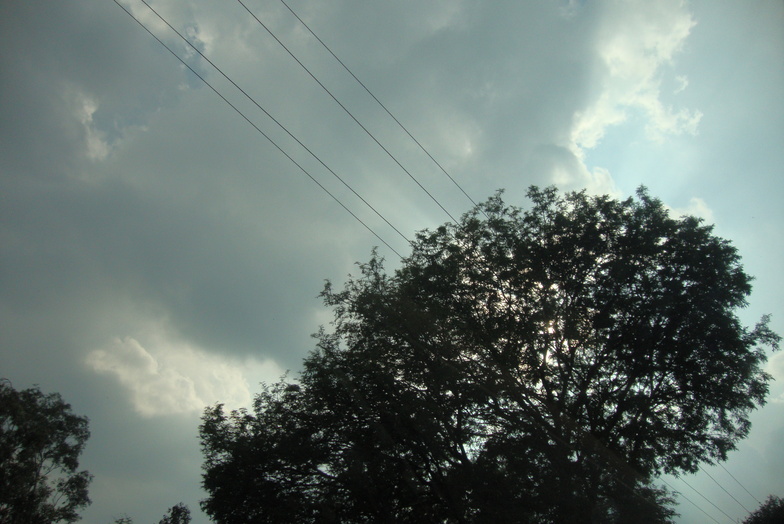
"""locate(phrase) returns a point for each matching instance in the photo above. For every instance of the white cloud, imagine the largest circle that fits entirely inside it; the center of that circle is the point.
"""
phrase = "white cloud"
(147, 17)
(589, 125)
(171, 377)
(635, 43)
(683, 83)
(97, 148)
(597, 181)
(697, 207)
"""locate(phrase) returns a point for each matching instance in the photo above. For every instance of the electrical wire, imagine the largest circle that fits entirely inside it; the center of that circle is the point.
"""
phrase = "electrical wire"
(680, 494)
(706, 498)
(739, 484)
(253, 100)
(278, 147)
(724, 490)
(400, 124)
(349, 113)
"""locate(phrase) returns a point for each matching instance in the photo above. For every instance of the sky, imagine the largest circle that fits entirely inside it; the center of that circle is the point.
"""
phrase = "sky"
(159, 255)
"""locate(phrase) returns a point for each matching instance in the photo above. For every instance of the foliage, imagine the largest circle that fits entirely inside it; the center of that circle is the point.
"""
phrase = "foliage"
(520, 366)
(178, 514)
(40, 443)
(770, 512)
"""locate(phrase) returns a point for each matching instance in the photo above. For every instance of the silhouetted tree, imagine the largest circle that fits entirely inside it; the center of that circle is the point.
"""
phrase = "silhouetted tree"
(40, 443)
(520, 366)
(178, 514)
(770, 512)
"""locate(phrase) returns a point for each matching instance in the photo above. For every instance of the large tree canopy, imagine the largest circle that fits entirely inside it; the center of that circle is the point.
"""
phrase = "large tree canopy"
(40, 443)
(521, 366)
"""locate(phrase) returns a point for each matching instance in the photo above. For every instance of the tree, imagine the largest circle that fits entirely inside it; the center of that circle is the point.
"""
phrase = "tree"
(520, 366)
(770, 512)
(177, 514)
(40, 443)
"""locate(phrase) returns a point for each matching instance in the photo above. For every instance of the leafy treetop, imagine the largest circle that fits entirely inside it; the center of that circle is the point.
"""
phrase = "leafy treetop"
(40, 443)
(521, 366)
(770, 512)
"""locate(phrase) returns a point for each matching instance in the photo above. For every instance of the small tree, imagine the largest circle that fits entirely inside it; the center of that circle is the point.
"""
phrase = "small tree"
(177, 514)
(770, 512)
(521, 366)
(40, 443)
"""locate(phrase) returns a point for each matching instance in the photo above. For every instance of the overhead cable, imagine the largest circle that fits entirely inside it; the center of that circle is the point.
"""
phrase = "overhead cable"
(739, 484)
(724, 490)
(279, 148)
(692, 502)
(253, 100)
(400, 124)
(706, 498)
(349, 113)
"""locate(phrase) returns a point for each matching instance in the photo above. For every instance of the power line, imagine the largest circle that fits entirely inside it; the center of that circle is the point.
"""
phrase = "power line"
(724, 490)
(692, 502)
(706, 499)
(406, 171)
(417, 142)
(739, 484)
(253, 100)
(279, 148)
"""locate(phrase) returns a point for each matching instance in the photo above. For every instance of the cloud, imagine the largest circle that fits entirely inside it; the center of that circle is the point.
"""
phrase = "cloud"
(697, 207)
(635, 43)
(176, 378)
(96, 146)
(683, 83)
(565, 168)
